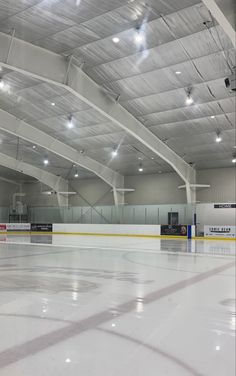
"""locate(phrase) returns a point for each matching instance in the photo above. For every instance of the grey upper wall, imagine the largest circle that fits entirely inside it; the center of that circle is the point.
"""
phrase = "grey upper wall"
(222, 182)
(155, 189)
(149, 190)
(91, 192)
(6, 193)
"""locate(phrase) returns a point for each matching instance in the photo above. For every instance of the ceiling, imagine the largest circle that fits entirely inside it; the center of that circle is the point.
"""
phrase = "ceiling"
(178, 36)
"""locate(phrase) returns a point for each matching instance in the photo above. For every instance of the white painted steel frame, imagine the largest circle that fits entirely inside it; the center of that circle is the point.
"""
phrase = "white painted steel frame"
(50, 67)
(221, 17)
(57, 183)
(20, 128)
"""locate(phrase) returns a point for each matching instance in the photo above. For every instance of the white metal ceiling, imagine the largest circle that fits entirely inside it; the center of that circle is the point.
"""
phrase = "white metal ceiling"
(180, 36)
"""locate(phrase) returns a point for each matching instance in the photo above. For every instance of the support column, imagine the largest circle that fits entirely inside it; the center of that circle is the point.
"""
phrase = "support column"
(119, 203)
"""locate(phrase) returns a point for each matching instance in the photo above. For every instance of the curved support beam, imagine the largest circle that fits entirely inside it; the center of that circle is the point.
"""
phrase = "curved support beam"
(47, 66)
(224, 13)
(56, 183)
(19, 128)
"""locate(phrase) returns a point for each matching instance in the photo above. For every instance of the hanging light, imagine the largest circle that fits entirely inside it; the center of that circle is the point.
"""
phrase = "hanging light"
(114, 152)
(139, 37)
(115, 40)
(140, 168)
(70, 123)
(189, 100)
(76, 175)
(218, 137)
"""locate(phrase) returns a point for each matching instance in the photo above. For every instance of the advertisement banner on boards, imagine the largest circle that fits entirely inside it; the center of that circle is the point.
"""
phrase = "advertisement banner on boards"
(18, 227)
(41, 227)
(174, 230)
(3, 227)
(217, 231)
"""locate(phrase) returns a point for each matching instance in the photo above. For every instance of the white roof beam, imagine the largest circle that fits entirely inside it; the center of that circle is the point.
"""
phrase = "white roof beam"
(53, 68)
(19, 128)
(224, 13)
(57, 183)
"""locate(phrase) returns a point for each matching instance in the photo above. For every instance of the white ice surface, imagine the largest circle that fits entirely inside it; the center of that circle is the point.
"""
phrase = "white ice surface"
(113, 306)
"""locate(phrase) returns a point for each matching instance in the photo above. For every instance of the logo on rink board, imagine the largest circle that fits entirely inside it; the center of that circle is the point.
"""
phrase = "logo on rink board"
(3, 227)
(178, 230)
(41, 227)
(220, 231)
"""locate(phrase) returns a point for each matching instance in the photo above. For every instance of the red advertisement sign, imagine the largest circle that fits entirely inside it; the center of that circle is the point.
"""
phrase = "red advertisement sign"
(3, 227)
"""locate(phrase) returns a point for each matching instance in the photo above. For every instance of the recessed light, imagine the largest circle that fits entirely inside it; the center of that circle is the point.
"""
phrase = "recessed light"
(115, 40)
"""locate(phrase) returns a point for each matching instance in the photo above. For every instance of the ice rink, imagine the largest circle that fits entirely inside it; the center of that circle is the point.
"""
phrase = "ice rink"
(114, 306)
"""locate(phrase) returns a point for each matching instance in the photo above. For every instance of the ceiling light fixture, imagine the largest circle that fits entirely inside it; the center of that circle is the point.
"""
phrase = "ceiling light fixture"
(212, 116)
(34, 147)
(218, 137)
(189, 100)
(70, 123)
(115, 40)
(114, 152)
(178, 72)
(76, 175)
(234, 159)
(53, 103)
(140, 168)
(139, 36)
(46, 161)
